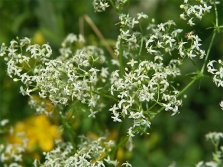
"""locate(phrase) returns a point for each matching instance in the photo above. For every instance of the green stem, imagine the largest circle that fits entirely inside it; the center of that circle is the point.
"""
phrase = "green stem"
(70, 132)
(113, 5)
(212, 39)
(188, 85)
(161, 109)
(120, 56)
(216, 14)
(115, 150)
(105, 95)
(118, 139)
(140, 50)
(208, 52)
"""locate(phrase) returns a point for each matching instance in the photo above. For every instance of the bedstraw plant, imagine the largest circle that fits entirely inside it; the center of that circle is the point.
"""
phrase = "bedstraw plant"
(132, 88)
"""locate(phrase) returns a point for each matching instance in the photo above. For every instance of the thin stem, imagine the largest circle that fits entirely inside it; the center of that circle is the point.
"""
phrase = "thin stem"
(216, 15)
(81, 26)
(152, 106)
(105, 95)
(70, 131)
(71, 138)
(215, 143)
(212, 39)
(140, 50)
(128, 5)
(208, 52)
(118, 139)
(113, 5)
(120, 59)
(161, 109)
(119, 145)
(99, 34)
(188, 85)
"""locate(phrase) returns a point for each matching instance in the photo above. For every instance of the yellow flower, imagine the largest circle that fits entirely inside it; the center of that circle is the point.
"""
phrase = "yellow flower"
(38, 38)
(39, 131)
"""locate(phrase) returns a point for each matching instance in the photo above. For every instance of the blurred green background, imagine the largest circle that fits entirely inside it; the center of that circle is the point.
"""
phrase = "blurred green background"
(179, 138)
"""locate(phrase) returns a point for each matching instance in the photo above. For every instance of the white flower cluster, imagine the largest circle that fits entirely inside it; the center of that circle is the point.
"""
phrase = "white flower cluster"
(216, 136)
(218, 73)
(144, 82)
(128, 37)
(90, 153)
(217, 161)
(195, 10)
(71, 76)
(221, 104)
(194, 50)
(162, 38)
(100, 5)
(11, 154)
(207, 164)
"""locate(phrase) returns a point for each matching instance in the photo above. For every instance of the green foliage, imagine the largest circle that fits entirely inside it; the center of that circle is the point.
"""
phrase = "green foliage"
(177, 139)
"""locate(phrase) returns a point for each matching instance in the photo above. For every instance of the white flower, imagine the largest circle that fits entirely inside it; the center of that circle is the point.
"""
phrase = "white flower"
(207, 8)
(134, 21)
(100, 5)
(183, 16)
(120, 104)
(221, 104)
(168, 106)
(141, 15)
(191, 54)
(150, 50)
(217, 81)
(181, 45)
(159, 44)
(25, 41)
(211, 164)
(127, 164)
(115, 62)
(130, 132)
(104, 5)
(210, 67)
(176, 32)
(198, 15)
(216, 136)
(104, 72)
(116, 118)
(124, 34)
(220, 73)
(170, 41)
(190, 22)
(182, 6)
(132, 62)
(114, 108)
(196, 45)
(4, 122)
(161, 27)
(202, 54)
(199, 164)
(17, 158)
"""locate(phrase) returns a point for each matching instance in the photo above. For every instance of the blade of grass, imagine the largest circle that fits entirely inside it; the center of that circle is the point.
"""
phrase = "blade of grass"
(99, 35)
